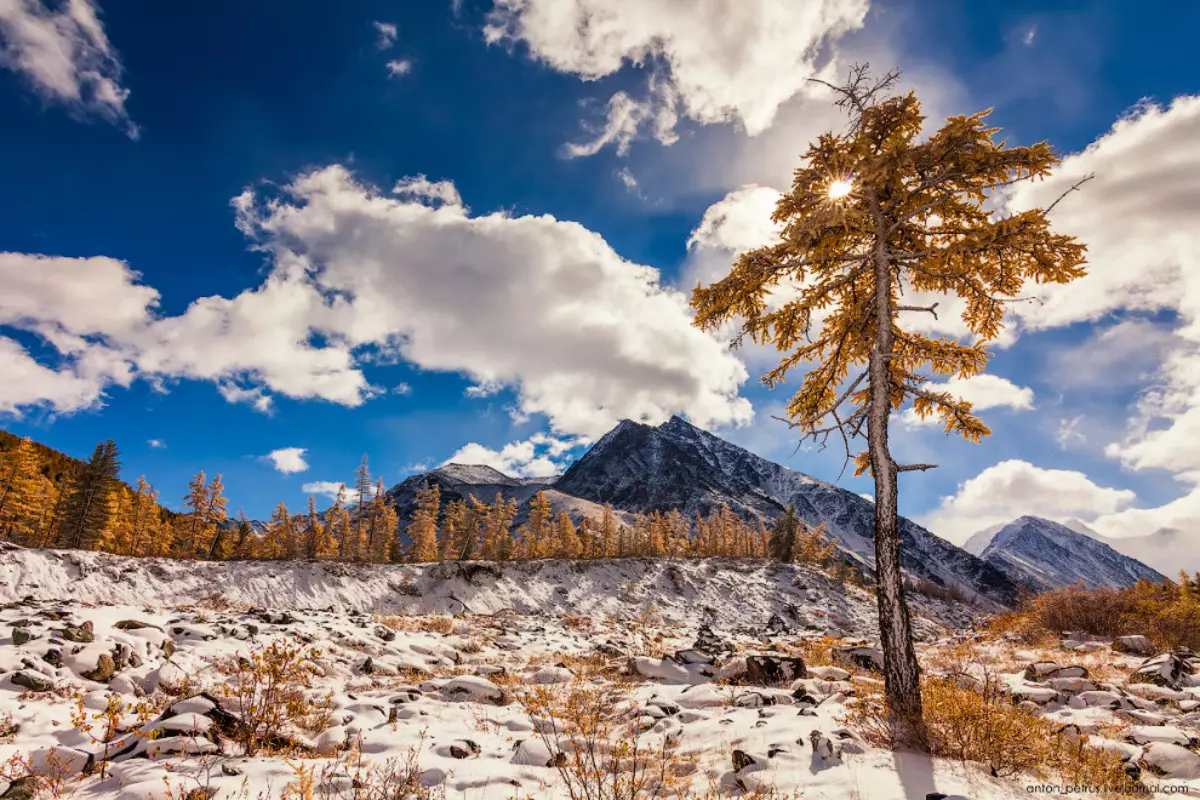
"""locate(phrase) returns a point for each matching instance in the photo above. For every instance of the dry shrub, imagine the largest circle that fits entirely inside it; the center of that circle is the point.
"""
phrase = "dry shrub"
(928, 588)
(600, 751)
(269, 690)
(818, 652)
(434, 623)
(1168, 613)
(354, 777)
(577, 622)
(983, 725)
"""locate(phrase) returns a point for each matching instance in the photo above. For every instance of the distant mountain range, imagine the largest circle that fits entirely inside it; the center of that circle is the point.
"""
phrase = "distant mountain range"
(1044, 555)
(639, 468)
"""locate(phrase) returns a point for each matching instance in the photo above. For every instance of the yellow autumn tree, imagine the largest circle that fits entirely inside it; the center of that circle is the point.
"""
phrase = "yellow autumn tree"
(18, 488)
(423, 529)
(536, 533)
(879, 223)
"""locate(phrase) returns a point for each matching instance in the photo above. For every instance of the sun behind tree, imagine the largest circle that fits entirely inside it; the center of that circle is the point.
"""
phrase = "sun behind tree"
(876, 213)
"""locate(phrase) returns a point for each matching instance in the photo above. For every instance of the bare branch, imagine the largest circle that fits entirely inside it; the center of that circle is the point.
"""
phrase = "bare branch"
(914, 467)
(1074, 188)
(931, 309)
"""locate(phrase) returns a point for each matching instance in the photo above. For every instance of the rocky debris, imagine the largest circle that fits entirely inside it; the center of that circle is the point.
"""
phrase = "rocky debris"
(777, 627)
(708, 642)
(860, 656)
(1172, 670)
(769, 670)
(1137, 645)
(824, 748)
(83, 634)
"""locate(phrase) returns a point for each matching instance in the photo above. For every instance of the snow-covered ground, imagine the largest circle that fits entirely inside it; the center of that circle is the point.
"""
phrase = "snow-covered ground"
(443, 673)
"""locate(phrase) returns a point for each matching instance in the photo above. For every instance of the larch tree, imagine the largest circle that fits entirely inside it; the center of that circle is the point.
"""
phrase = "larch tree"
(280, 535)
(215, 514)
(196, 500)
(89, 507)
(536, 533)
(423, 528)
(875, 213)
(18, 487)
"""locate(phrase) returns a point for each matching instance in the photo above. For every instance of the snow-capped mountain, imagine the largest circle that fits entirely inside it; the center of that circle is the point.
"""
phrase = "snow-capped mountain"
(639, 468)
(1045, 555)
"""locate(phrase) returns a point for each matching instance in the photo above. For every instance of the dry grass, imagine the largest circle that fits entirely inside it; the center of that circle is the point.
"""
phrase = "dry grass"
(984, 726)
(1168, 613)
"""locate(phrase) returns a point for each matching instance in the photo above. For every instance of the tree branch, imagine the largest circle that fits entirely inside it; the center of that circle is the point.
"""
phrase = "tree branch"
(914, 467)
(1074, 188)
(931, 309)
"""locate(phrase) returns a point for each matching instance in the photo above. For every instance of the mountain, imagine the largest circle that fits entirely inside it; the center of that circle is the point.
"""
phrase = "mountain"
(980, 540)
(639, 468)
(1046, 555)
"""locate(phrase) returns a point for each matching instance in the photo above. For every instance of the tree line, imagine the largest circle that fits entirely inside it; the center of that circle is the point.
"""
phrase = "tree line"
(48, 500)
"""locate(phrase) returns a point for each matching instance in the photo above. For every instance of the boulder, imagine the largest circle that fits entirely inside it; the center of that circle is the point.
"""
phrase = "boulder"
(1171, 670)
(134, 625)
(106, 667)
(21, 635)
(535, 753)
(476, 688)
(1171, 761)
(860, 656)
(83, 634)
(1138, 645)
(1049, 670)
(768, 670)
(32, 681)
(464, 748)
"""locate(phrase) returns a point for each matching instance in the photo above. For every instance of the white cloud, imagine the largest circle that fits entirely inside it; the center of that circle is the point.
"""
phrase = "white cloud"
(982, 392)
(1011, 489)
(157, 444)
(534, 304)
(288, 459)
(402, 389)
(386, 32)
(61, 49)
(722, 61)
(399, 67)
(531, 458)
(331, 490)
(1137, 218)
(739, 221)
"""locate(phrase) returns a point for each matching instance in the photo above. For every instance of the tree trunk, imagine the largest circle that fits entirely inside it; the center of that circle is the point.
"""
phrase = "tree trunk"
(901, 672)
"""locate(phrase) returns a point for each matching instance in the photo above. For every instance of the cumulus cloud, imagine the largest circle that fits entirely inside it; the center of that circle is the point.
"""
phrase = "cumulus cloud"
(63, 53)
(1137, 218)
(530, 458)
(533, 304)
(157, 444)
(399, 67)
(725, 61)
(982, 392)
(386, 34)
(333, 489)
(1011, 489)
(288, 459)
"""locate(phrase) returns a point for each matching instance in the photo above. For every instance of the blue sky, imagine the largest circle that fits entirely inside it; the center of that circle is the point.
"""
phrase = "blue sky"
(445, 211)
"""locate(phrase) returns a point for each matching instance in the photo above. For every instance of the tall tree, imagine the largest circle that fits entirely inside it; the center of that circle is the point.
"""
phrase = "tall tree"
(536, 532)
(423, 529)
(89, 507)
(874, 212)
(364, 490)
(197, 501)
(18, 487)
(781, 544)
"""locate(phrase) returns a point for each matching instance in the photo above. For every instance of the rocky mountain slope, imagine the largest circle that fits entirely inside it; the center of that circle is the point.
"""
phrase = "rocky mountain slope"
(639, 468)
(1046, 555)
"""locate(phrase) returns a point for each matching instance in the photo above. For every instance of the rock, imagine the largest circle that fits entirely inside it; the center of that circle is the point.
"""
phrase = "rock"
(478, 689)
(742, 759)
(464, 748)
(23, 788)
(32, 681)
(776, 626)
(694, 657)
(134, 625)
(106, 667)
(551, 675)
(765, 670)
(1138, 645)
(21, 635)
(1145, 734)
(829, 673)
(1047, 670)
(709, 642)
(860, 656)
(824, 748)
(1036, 694)
(1171, 761)
(1167, 669)
(535, 753)
(385, 633)
(53, 657)
(84, 633)
(230, 770)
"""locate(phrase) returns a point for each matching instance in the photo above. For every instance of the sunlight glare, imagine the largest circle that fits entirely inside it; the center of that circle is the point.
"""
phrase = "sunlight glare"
(839, 189)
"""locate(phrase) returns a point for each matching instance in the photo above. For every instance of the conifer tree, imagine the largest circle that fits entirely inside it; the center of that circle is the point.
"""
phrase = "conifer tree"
(363, 492)
(536, 533)
(586, 533)
(343, 531)
(566, 538)
(18, 487)
(383, 539)
(215, 514)
(781, 545)
(197, 501)
(90, 505)
(277, 542)
(143, 515)
(450, 542)
(423, 529)
(608, 533)
(874, 212)
(243, 546)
